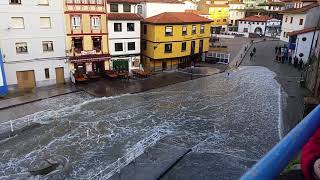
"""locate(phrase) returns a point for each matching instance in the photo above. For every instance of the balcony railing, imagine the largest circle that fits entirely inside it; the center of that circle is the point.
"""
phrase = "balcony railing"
(273, 163)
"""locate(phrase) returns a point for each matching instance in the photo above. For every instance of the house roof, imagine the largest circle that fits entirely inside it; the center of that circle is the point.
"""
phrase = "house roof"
(235, 2)
(124, 16)
(256, 18)
(126, 1)
(176, 18)
(293, 33)
(194, 11)
(299, 10)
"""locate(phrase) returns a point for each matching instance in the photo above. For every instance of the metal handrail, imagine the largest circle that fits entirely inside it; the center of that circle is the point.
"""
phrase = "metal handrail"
(273, 163)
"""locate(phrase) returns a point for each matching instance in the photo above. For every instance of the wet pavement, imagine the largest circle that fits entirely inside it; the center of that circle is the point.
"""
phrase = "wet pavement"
(213, 115)
(287, 76)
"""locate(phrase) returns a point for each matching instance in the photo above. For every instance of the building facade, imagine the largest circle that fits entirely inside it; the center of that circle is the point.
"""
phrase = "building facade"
(302, 16)
(253, 24)
(87, 40)
(155, 7)
(173, 40)
(236, 12)
(124, 34)
(33, 43)
(302, 43)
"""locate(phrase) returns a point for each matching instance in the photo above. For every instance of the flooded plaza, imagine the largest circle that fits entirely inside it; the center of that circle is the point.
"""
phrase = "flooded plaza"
(236, 116)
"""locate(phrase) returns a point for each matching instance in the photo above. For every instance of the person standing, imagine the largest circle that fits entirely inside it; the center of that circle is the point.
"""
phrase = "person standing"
(290, 60)
(295, 62)
(251, 56)
(276, 49)
(254, 50)
(300, 64)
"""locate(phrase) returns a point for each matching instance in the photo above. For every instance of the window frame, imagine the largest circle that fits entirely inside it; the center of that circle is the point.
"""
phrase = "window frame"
(184, 33)
(134, 46)
(14, 3)
(22, 52)
(115, 5)
(168, 33)
(183, 46)
(194, 29)
(47, 73)
(43, 4)
(165, 48)
(115, 29)
(23, 25)
(74, 42)
(202, 29)
(126, 5)
(132, 26)
(97, 49)
(46, 27)
(95, 22)
(48, 49)
(301, 21)
(74, 23)
(115, 47)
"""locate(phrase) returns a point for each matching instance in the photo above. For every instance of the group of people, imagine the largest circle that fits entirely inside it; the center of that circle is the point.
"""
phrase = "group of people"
(283, 58)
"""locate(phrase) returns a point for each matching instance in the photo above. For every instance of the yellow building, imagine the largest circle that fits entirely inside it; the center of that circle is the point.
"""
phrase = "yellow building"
(217, 11)
(87, 41)
(174, 39)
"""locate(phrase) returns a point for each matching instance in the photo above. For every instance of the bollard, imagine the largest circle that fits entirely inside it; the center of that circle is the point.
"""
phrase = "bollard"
(11, 125)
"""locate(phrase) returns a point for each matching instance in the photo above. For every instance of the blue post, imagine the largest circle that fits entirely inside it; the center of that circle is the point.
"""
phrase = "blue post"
(273, 163)
(3, 82)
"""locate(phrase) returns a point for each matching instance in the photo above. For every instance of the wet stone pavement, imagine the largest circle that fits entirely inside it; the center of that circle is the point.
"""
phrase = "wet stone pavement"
(228, 123)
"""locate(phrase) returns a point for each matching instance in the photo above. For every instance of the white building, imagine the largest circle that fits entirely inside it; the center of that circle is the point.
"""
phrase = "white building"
(155, 7)
(236, 12)
(302, 42)
(33, 42)
(190, 5)
(124, 34)
(273, 28)
(253, 24)
(303, 15)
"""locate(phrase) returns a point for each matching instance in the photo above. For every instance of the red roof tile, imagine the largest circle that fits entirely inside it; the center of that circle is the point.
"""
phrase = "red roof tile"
(165, 1)
(256, 18)
(293, 33)
(176, 18)
(124, 16)
(193, 11)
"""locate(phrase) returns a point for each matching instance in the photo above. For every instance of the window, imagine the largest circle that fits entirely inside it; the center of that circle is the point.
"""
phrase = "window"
(95, 22)
(253, 22)
(184, 30)
(76, 22)
(47, 46)
(301, 55)
(262, 23)
(130, 26)
(96, 42)
(17, 22)
(15, 2)
(126, 8)
(43, 2)
(284, 34)
(139, 9)
(224, 20)
(245, 22)
(286, 19)
(46, 73)
(245, 29)
(301, 22)
(113, 7)
(21, 47)
(118, 46)
(168, 48)
(240, 22)
(183, 46)
(304, 39)
(201, 29)
(131, 46)
(45, 22)
(194, 29)
(77, 43)
(117, 27)
(145, 29)
(169, 31)
(291, 20)
(257, 23)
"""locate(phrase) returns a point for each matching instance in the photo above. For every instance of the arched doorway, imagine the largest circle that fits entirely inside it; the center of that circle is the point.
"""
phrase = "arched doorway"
(258, 30)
